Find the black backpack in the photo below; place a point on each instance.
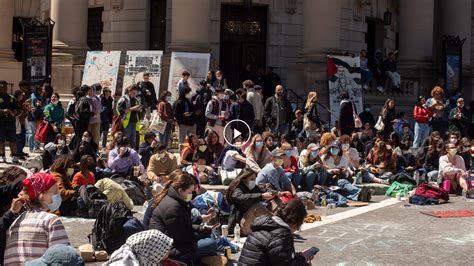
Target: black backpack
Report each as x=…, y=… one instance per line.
x=107, y=233
x=135, y=191
x=90, y=201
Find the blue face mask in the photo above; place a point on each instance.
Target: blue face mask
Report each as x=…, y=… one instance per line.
x=288, y=153
x=226, y=97
x=335, y=151
x=314, y=154
x=258, y=144
x=56, y=202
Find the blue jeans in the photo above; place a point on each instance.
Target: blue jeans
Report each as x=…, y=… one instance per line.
x=32, y=127
x=295, y=178
x=315, y=178
x=422, y=132
x=21, y=140
x=349, y=191
x=131, y=133
x=166, y=136
x=336, y=198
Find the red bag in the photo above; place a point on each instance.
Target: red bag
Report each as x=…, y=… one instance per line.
x=42, y=132
x=432, y=192
x=117, y=125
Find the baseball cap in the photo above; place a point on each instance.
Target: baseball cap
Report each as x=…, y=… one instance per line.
x=58, y=255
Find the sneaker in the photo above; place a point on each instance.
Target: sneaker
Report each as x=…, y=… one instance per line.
x=3, y=159
x=380, y=89
x=15, y=160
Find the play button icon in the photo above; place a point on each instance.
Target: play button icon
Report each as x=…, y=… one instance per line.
x=237, y=132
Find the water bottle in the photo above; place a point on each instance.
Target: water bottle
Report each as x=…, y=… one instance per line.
x=417, y=177
x=405, y=193
x=237, y=233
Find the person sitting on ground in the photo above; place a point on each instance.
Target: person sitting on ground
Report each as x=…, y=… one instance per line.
x=62, y=170
x=435, y=136
x=204, y=152
x=326, y=140
x=214, y=145
x=123, y=159
x=257, y=155
x=381, y=164
x=12, y=177
x=172, y=216
x=188, y=149
x=148, y=148
x=232, y=156
x=40, y=194
x=406, y=162
x=54, y=150
x=351, y=154
x=244, y=197
x=431, y=161
x=85, y=176
x=290, y=165
x=200, y=169
x=464, y=148
x=271, y=241
x=59, y=254
x=310, y=166
x=274, y=174
x=84, y=148
x=149, y=247
x=452, y=167
x=87, y=138
x=161, y=164
x=114, y=192
x=270, y=142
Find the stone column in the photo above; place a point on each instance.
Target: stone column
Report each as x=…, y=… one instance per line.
x=416, y=23
x=6, y=28
x=70, y=30
x=190, y=26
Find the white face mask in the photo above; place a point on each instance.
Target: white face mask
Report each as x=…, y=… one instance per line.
x=55, y=102
x=70, y=171
x=465, y=149
x=168, y=98
x=251, y=184
x=345, y=146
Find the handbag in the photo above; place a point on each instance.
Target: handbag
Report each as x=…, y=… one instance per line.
x=379, y=125
x=157, y=124
x=42, y=132
x=357, y=121
x=117, y=124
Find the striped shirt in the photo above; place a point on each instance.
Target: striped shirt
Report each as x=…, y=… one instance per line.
x=31, y=234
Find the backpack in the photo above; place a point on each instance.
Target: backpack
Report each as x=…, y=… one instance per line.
x=108, y=232
x=432, y=192
x=397, y=187
x=134, y=190
x=90, y=201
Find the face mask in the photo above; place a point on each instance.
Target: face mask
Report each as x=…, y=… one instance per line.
x=345, y=146
x=70, y=171
x=251, y=184
x=226, y=97
x=188, y=198
x=279, y=162
x=465, y=149
x=314, y=154
x=86, y=139
x=221, y=96
x=453, y=140
x=288, y=153
x=202, y=148
x=258, y=144
x=453, y=151
x=62, y=142
x=55, y=102
x=367, y=110
x=335, y=151
x=168, y=98
x=56, y=198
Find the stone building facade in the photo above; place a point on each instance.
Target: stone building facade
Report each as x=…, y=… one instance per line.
x=293, y=36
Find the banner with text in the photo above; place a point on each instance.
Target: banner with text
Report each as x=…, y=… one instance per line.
x=139, y=62
x=343, y=75
x=102, y=67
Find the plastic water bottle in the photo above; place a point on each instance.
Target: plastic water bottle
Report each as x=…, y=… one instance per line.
x=405, y=193
x=417, y=177
x=237, y=233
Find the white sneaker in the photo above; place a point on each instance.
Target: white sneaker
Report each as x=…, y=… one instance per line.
x=15, y=160
x=380, y=89
x=3, y=159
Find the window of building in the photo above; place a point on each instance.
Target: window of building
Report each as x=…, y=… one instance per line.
x=95, y=26
x=157, y=24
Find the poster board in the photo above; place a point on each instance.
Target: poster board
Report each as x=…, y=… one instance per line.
x=102, y=67
x=195, y=63
x=344, y=75
x=139, y=62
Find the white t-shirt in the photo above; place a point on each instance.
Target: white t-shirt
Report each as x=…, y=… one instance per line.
x=229, y=162
x=354, y=154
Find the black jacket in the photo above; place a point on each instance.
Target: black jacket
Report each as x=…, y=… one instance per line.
x=173, y=217
x=244, y=112
x=107, y=112
x=241, y=200
x=146, y=151
x=271, y=113
x=179, y=109
x=270, y=243
x=346, y=118
x=367, y=117
x=7, y=194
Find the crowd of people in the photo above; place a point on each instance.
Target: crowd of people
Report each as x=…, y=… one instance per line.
x=292, y=156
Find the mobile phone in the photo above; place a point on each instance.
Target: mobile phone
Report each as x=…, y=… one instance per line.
x=310, y=252
x=103, y=156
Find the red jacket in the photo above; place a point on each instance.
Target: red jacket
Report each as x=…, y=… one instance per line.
x=422, y=114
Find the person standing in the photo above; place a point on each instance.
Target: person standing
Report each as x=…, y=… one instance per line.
x=221, y=82
x=346, y=119
x=459, y=118
x=106, y=115
x=200, y=101
x=96, y=105
x=255, y=97
x=128, y=108
x=366, y=116
x=439, y=121
x=388, y=116
x=34, y=118
x=272, y=80
x=24, y=110
x=184, y=114
x=147, y=95
x=84, y=110
x=183, y=83
x=8, y=110
x=242, y=110
x=278, y=112
x=217, y=112
x=165, y=112
x=54, y=115
x=422, y=115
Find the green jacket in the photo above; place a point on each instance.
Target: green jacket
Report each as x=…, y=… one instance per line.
x=54, y=114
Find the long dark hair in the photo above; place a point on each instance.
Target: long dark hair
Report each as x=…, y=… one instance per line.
x=182, y=181
x=293, y=212
x=244, y=174
x=61, y=164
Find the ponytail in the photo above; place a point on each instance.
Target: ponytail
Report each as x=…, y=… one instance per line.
x=163, y=193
